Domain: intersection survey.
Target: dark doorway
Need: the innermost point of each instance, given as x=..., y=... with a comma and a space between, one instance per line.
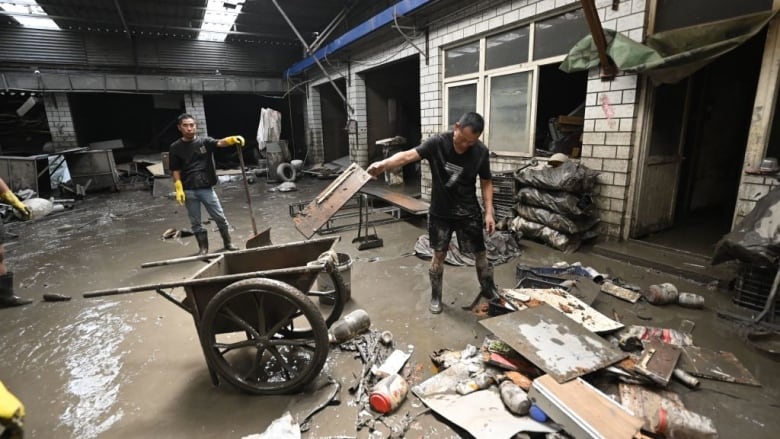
x=144, y=123
x=715, y=124
x=335, y=138
x=393, y=109
x=239, y=114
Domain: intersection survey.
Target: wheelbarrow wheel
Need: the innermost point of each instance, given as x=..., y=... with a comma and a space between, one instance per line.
x=247, y=336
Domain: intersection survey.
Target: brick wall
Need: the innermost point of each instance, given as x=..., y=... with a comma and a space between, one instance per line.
x=608, y=139
x=63, y=133
x=193, y=104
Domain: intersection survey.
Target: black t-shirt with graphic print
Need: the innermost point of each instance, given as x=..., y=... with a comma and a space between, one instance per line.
x=454, y=186
x=195, y=160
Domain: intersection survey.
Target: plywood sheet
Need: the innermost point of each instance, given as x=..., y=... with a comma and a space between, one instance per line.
x=556, y=344
x=582, y=410
x=644, y=402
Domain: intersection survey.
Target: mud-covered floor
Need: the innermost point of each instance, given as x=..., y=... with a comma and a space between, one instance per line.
x=131, y=365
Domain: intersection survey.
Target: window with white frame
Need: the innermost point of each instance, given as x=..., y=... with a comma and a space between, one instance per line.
x=498, y=77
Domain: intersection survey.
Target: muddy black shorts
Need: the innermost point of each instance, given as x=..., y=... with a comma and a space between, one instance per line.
x=469, y=233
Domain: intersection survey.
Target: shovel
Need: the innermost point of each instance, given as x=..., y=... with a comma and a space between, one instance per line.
x=258, y=239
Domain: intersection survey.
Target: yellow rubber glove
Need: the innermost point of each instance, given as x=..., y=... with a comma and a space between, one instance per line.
x=232, y=140
x=11, y=199
x=180, y=197
x=11, y=409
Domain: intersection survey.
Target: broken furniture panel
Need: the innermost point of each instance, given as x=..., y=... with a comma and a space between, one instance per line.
x=658, y=361
x=330, y=200
x=569, y=305
x=95, y=170
x=715, y=365
x=582, y=410
x=561, y=347
x=620, y=292
x=644, y=402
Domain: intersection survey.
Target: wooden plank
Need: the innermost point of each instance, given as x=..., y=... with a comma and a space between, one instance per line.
x=644, y=402
x=658, y=361
x=409, y=204
x=330, y=200
x=556, y=344
x=582, y=410
x=620, y=292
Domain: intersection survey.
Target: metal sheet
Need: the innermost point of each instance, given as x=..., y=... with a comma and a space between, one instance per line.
x=556, y=344
x=571, y=307
x=330, y=200
x=715, y=365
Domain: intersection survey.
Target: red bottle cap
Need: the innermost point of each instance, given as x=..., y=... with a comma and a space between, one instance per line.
x=380, y=402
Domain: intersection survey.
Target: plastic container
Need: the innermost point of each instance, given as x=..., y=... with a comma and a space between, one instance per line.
x=690, y=300
x=662, y=294
x=388, y=393
x=349, y=326
x=537, y=414
x=515, y=399
x=325, y=283
x=478, y=382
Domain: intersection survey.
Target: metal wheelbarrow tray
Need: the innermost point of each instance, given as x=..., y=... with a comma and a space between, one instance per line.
x=257, y=326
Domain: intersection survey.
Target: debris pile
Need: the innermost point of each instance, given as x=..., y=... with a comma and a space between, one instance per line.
x=554, y=205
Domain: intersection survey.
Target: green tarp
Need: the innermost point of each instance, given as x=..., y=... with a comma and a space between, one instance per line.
x=670, y=56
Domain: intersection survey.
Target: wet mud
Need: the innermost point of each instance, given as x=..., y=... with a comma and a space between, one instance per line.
x=131, y=366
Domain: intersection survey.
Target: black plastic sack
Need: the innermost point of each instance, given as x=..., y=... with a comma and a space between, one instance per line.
x=570, y=177
x=540, y=232
x=422, y=249
x=555, y=220
x=500, y=248
x=564, y=203
x=757, y=238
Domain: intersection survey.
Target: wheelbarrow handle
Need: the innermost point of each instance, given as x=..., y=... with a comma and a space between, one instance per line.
x=205, y=280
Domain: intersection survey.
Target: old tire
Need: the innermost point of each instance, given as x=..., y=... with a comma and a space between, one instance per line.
x=286, y=172
x=248, y=337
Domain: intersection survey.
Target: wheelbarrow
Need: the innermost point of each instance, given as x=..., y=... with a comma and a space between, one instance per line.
x=257, y=325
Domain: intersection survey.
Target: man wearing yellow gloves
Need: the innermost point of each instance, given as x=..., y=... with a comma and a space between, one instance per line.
x=7, y=296
x=194, y=177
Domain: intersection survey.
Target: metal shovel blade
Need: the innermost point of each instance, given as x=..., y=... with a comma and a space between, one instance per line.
x=261, y=239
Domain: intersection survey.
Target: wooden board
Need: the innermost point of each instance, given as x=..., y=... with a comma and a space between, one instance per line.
x=330, y=200
x=658, y=361
x=644, y=402
x=620, y=292
x=582, y=410
x=409, y=204
x=556, y=344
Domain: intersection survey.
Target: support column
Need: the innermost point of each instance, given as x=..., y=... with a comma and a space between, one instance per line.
x=63, y=133
x=193, y=103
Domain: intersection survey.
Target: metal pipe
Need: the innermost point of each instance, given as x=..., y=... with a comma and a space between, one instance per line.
x=122, y=18
x=306, y=46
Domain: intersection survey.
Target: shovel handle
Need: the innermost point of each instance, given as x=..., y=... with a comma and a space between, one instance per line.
x=246, y=188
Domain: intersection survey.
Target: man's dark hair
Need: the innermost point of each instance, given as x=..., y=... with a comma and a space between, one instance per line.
x=182, y=117
x=472, y=120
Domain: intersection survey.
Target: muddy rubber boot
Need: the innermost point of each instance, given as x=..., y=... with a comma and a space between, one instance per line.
x=487, y=286
x=7, y=296
x=203, y=242
x=436, y=285
x=225, y=233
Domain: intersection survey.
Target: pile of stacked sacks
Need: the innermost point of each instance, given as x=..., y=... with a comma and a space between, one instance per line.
x=554, y=204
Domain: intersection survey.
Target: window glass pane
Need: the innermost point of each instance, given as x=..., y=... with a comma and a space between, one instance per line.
x=509, y=113
x=507, y=49
x=557, y=35
x=461, y=60
x=460, y=99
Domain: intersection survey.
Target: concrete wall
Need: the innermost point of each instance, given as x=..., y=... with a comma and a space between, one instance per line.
x=63, y=133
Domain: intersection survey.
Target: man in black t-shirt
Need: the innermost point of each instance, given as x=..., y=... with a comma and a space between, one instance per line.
x=456, y=159
x=194, y=176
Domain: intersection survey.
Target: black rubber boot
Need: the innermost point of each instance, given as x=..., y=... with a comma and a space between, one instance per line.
x=203, y=242
x=7, y=297
x=487, y=286
x=225, y=233
x=436, y=286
